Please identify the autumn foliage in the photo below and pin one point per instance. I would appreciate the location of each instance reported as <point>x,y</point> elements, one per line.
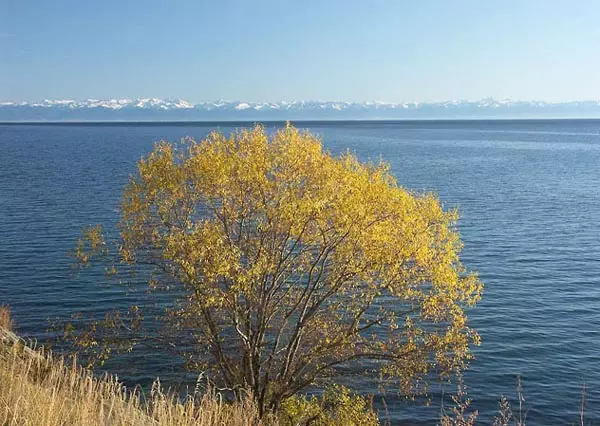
<point>287,264</point>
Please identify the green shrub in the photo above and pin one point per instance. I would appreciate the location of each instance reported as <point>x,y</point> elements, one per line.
<point>336,407</point>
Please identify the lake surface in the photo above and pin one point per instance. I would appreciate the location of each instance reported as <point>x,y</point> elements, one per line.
<point>529,195</point>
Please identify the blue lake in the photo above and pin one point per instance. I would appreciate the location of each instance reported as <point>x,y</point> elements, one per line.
<point>529,196</point>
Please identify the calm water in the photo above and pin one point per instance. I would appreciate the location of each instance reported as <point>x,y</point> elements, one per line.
<point>529,193</point>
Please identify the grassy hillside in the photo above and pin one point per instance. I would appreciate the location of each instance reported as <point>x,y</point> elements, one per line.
<point>39,389</point>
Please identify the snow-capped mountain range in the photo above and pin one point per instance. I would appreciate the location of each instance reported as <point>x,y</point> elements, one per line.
<point>176,109</point>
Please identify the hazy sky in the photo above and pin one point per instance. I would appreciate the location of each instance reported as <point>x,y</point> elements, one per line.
<point>282,50</point>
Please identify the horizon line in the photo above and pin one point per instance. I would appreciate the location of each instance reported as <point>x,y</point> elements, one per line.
<point>6,102</point>
<point>399,120</point>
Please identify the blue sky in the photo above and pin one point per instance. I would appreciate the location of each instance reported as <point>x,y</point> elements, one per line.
<point>282,50</point>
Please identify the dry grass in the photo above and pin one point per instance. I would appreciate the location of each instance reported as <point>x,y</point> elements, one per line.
<point>5,321</point>
<point>39,389</point>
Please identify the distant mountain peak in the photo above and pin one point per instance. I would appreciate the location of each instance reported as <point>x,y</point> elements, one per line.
<point>179,109</point>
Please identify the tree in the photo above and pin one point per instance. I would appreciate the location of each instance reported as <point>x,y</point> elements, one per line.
<point>287,264</point>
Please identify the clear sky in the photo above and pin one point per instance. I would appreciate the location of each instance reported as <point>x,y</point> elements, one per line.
<point>299,50</point>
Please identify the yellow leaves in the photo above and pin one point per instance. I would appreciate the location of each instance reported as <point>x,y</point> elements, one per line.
<point>204,247</point>
<point>285,182</point>
<point>336,407</point>
<point>260,226</point>
<point>90,244</point>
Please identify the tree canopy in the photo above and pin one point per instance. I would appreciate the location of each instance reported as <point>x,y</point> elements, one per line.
<point>288,264</point>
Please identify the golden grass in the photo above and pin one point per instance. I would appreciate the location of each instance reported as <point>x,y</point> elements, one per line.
<point>5,321</point>
<point>39,389</point>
